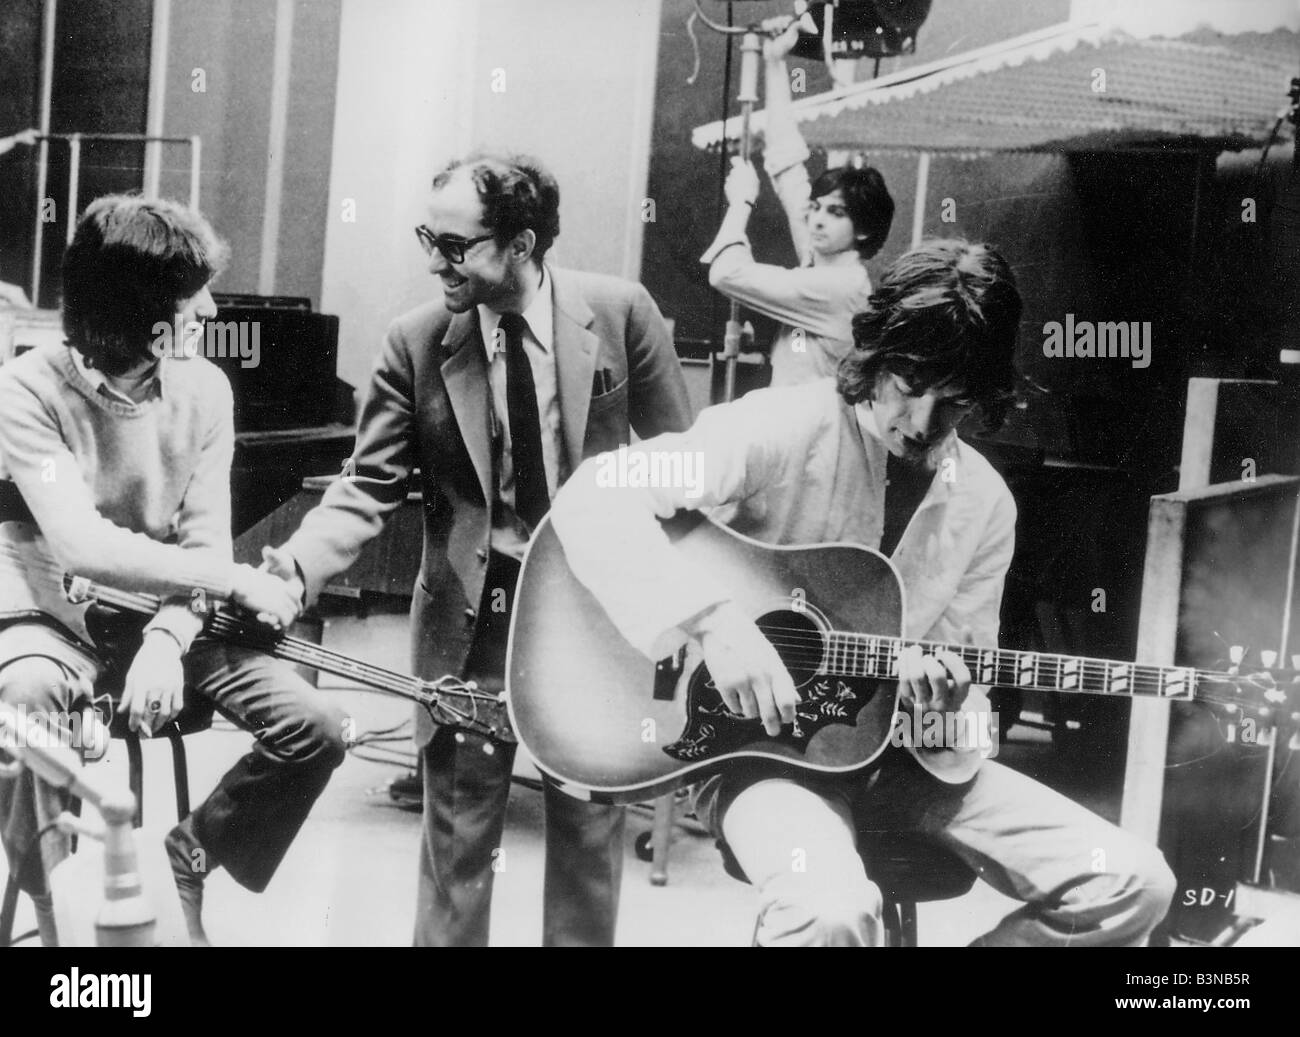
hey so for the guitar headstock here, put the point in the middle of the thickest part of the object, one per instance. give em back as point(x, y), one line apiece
point(1254, 695)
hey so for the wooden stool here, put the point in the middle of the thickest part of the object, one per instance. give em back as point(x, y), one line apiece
point(911, 869)
point(908, 869)
point(188, 722)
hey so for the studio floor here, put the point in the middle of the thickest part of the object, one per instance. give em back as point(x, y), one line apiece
point(349, 879)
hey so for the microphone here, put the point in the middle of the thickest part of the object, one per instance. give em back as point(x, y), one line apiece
point(126, 918)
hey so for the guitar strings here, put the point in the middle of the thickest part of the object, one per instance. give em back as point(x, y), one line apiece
point(290, 648)
point(853, 644)
point(811, 641)
point(815, 646)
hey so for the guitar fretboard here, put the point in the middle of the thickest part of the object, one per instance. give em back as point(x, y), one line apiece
point(866, 655)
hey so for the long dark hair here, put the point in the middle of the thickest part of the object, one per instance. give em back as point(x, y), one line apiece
point(130, 262)
point(946, 312)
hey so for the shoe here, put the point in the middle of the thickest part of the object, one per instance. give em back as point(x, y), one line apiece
point(407, 792)
point(190, 866)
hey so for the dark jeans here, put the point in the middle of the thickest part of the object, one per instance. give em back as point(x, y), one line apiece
point(465, 792)
point(257, 808)
point(250, 819)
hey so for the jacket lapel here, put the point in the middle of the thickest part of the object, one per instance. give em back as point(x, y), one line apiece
point(575, 360)
point(464, 373)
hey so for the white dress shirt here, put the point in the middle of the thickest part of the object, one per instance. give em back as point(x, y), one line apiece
point(814, 304)
point(509, 533)
point(794, 465)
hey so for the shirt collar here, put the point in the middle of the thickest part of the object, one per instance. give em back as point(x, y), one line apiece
point(867, 420)
point(539, 315)
point(100, 383)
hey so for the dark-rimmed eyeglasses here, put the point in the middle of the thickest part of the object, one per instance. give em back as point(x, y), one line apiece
point(452, 249)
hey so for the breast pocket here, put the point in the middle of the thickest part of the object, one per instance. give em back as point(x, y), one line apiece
point(607, 426)
point(616, 397)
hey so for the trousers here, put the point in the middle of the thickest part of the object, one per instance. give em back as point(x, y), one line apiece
point(466, 786)
point(250, 819)
point(1083, 882)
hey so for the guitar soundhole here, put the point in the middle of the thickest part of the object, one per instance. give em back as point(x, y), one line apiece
point(797, 640)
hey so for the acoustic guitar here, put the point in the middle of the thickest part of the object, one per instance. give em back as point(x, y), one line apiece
point(610, 724)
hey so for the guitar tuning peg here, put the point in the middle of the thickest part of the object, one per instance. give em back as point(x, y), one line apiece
point(1268, 658)
point(77, 590)
point(1236, 653)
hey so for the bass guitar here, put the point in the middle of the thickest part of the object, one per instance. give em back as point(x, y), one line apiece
point(75, 604)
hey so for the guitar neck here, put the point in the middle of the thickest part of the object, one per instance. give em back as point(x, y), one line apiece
point(865, 655)
point(227, 626)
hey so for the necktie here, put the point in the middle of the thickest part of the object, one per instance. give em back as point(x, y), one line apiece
point(531, 497)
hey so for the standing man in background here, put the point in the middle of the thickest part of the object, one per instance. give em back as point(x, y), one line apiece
point(837, 222)
point(496, 392)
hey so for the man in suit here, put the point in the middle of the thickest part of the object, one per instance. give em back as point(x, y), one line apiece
point(495, 392)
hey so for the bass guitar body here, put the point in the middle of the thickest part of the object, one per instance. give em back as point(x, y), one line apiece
point(608, 723)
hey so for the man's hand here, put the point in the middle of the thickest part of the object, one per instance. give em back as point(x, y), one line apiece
point(936, 682)
point(27, 137)
point(745, 668)
point(13, 296)
point(777, 48)
point(155, 684)
point(741, 187)
point(279, 562)
point(268, 597)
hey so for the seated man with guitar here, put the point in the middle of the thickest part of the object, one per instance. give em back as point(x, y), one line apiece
point(115, 455)
point(868, 460)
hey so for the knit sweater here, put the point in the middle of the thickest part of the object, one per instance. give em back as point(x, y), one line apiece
point(134, 496)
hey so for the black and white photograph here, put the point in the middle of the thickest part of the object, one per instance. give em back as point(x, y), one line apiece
point(651, 473)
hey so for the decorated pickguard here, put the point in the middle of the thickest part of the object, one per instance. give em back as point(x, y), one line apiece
point(713, 730)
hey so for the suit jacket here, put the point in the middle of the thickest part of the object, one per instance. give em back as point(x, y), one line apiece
point(428, 408)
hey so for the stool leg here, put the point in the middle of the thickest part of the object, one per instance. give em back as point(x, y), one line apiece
point(135, 768)
point(7, 912)
point(907, 915)
point(661, 839)
point(181, 772)
point(892, 922)
point(74, 808)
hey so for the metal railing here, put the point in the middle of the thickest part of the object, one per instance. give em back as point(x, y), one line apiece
point(74, 141)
